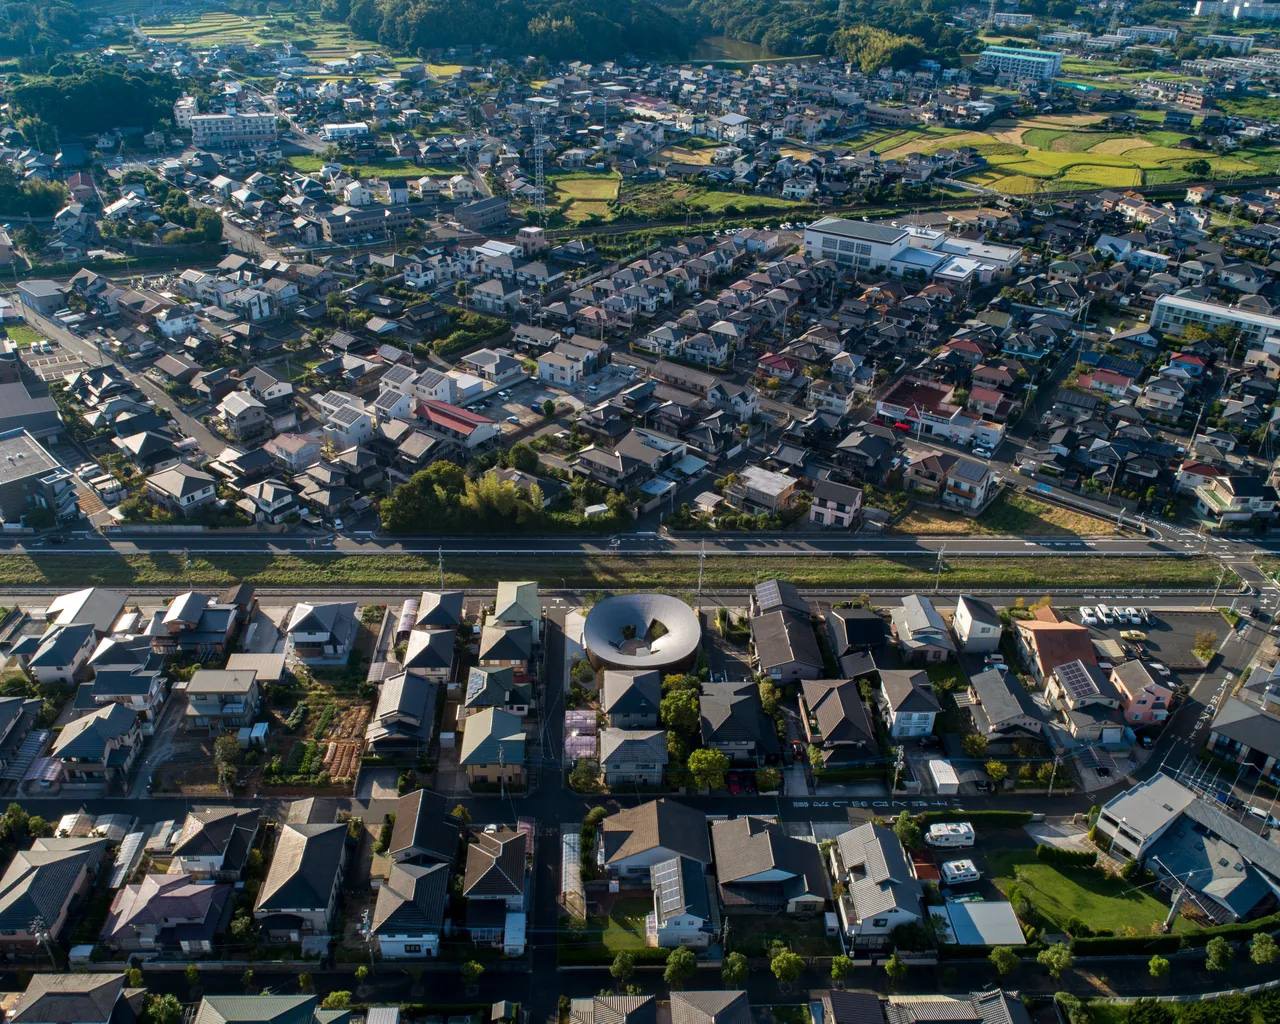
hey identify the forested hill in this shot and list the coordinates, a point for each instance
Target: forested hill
(558, 29)
(793, 27)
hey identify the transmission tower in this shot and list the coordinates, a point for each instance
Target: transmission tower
(991, 15)
(539, 168)
(1116, 8)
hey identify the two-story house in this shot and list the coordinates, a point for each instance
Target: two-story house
(299, 895)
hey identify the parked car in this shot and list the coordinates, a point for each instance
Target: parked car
(1133, 615)
(1088, 617)
(1105, 617)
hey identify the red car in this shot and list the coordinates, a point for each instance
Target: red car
(734, 783)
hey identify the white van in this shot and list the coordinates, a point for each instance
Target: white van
(958, 872)
(955, 834)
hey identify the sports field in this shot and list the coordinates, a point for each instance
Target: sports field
(1053, 153)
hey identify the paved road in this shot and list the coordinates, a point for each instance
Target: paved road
(209, 442)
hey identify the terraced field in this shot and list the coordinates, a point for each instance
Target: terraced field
(1062, 153)
(584, 195)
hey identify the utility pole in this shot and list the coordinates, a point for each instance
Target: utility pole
(1054, 774)
(1222, 575)
(702, 558)
(898, 762)
(440, 562)
(937, 571)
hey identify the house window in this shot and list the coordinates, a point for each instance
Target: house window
(412, 947)
(879, 922)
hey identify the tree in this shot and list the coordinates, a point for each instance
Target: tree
(975, 744)
(680, 712)
(548, 408)
(623, 966)
(1148, 1011)
(471, 971)
(841, 965)
(708, 768)
(734, 970)
(907, 830)
(1218, 954)
(1003, 959)
(163, 1009)
(306, 983)
(1056, 959)
(1198, 168)
(1158, 966)
(786, 966)
(246, 980)
(1262, 950)
(997, 771)
(338, 999)
(584, 777)
(133, 978)
(523, 458)
(362, 974)
(682, 965)
(192, 974)
(461, 814)
(895, 968)
(226, 756)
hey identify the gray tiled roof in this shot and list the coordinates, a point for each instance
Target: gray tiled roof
(878, 875)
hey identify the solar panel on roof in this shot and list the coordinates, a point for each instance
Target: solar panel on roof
(1076, 680)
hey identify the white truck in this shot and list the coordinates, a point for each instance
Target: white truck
(954, 834)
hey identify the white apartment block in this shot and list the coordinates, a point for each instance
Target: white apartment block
(184, 109)
(1172, 314)
(348, 130)
(1016, 62)
(209, 131)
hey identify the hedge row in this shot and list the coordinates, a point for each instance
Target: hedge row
(1061, 858)
(1121, 945)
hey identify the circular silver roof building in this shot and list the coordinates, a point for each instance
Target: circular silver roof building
(641, 631)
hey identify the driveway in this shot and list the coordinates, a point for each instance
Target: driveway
(377, 783)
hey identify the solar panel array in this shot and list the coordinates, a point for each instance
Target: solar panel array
(1076, 680)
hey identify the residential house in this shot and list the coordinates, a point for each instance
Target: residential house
(182, 489)
(682, 914)
(976, 625)
(761, 869)
(214, 842)
(908, 702)
(321, 634)
(98, 748)
(1001, 707)
(169, 912)
(299, 895)
(1146, 700)
(733, 722)
(1044, 642)
(493, 748)
(835, 504)
(222, 699)
(881, 892)
(630, 699)
(425, 830)
(1088, 702)
(920, 631)
(517, 604)
(634, 839)
(46, 882)
(408, 911)
(635, 757)
(785, 647)
(836, 722)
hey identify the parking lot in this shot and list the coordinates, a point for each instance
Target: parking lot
(1168, 636)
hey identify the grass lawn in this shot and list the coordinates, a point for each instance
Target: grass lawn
(1062, 893)
(624, 928)
(1011, 514)
(22, 335)
(604, 572)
